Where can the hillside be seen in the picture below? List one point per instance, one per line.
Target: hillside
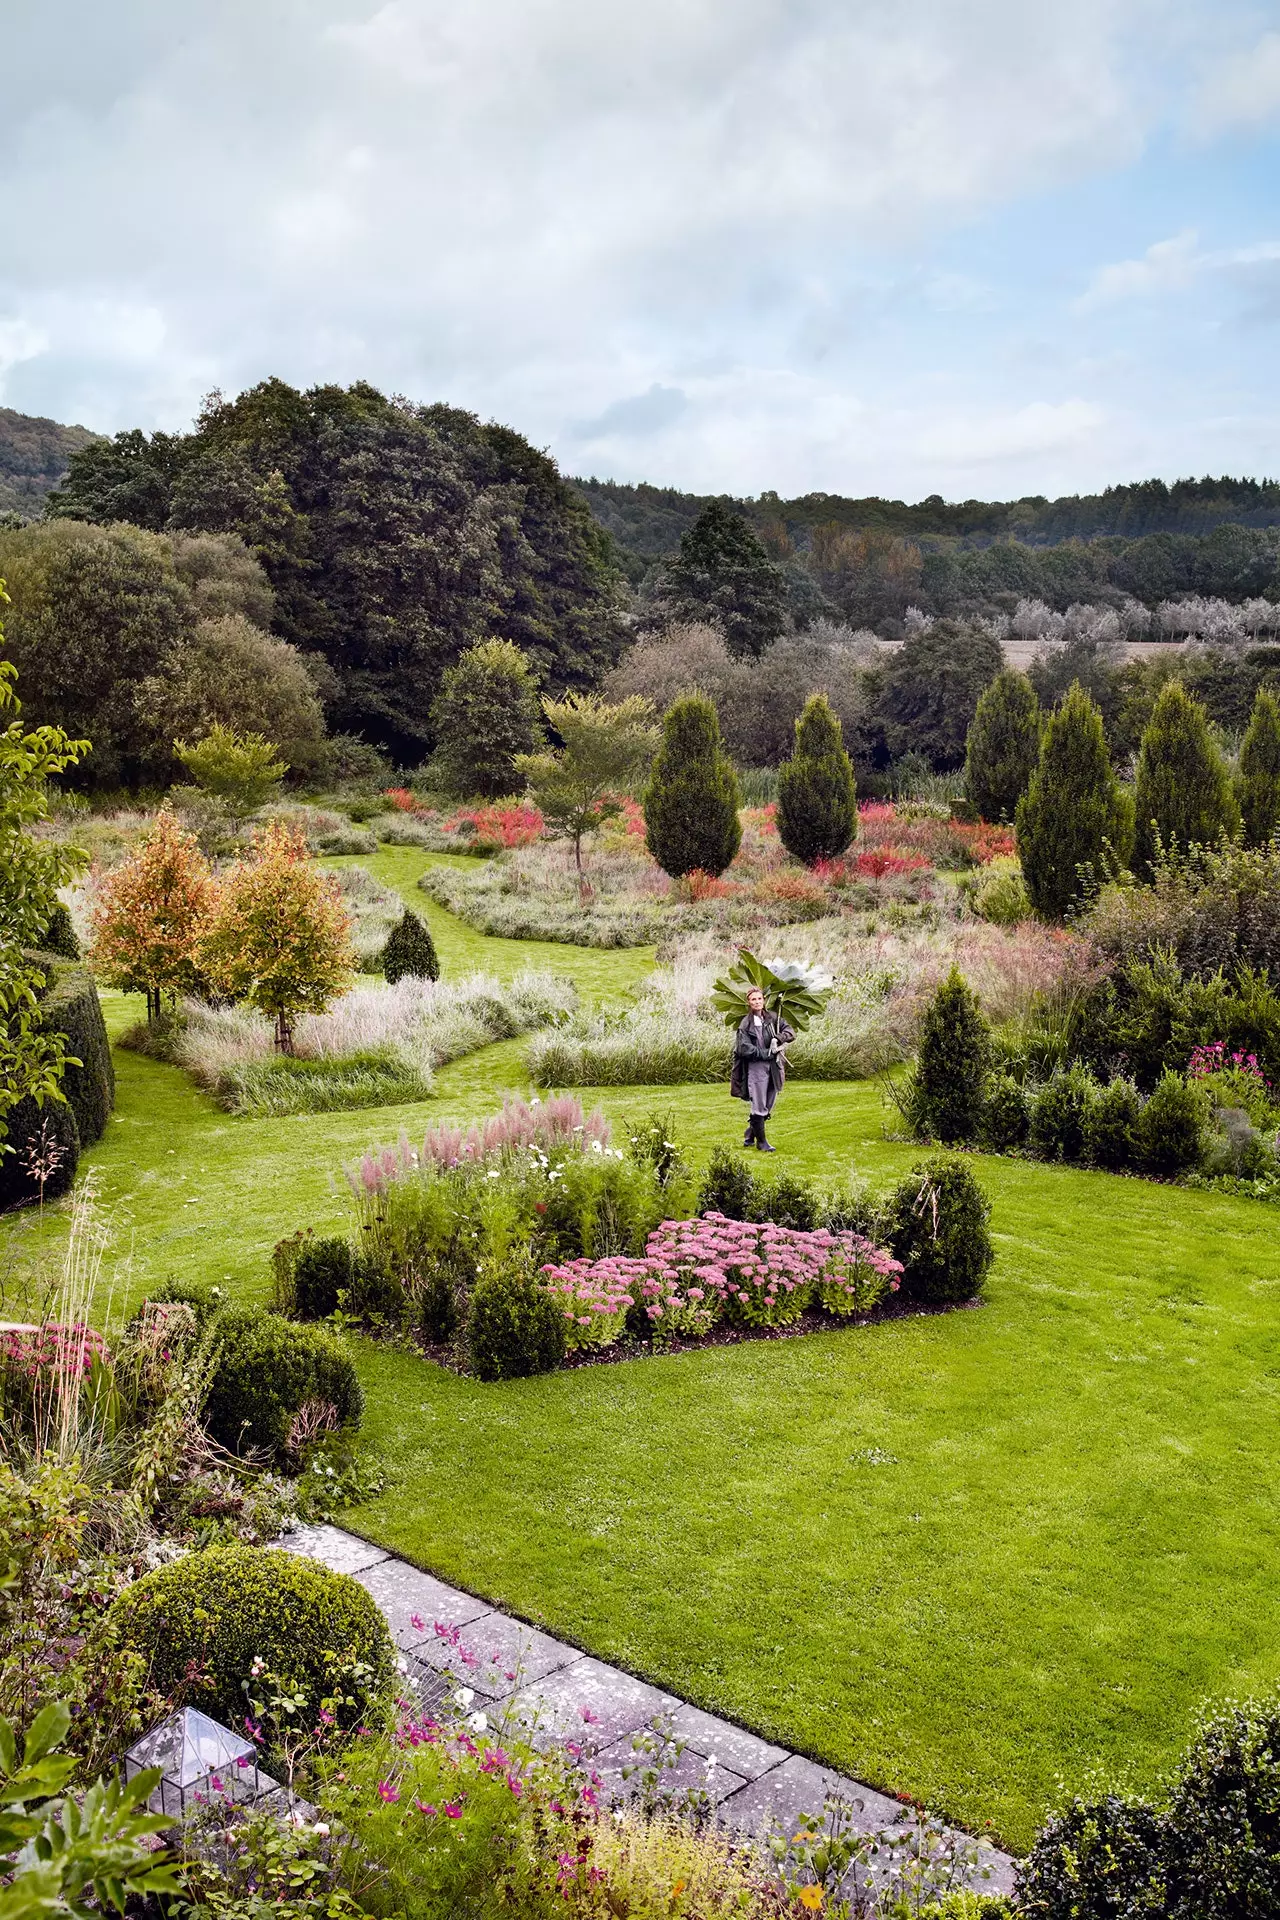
(647, 522)
(34, 456)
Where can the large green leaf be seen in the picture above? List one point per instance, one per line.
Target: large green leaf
(792, 992)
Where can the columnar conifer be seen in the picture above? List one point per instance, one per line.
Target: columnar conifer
(409, 949)
(1003, 745)
(946, 1092)
(1258, 788)
(1073, 809)
(817, 798)
(1183, 795)
(691, 804)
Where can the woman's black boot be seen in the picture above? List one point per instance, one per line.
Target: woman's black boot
(749, 1137)
(761, 1142)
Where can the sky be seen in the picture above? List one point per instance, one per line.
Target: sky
(979, 248)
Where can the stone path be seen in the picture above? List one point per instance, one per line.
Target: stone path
(514, 1666)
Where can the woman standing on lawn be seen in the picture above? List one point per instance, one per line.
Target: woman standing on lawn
(759, 1065)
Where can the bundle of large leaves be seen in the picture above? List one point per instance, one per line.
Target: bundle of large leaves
(792, 992)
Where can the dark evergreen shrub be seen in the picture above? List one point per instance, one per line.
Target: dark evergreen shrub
(410, 949)
(514, 1327)
(817, 799)
(1223, 1824)
(1258, 787)
(936, 1224)
(437, 1303)
(852, 1209)
(788, 1201)
(1111, 1126)
(60, 935)
(1182, 795)
(728, 1186)
(691, 804)
(1003, 745)
(944, 1097)
(1059, 1110)
(1005, 1114)
(269, 1368)
(1073, 809)
(40, 1138)
(69, 1005)
(1171, 1129)
(322, 1270)
(374, 1293)
(201, 1622)
(1096, 1860)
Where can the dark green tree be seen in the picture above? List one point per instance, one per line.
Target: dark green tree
(485, 714)
(409, 949)
(945, 1097)
(817, 798)
(691, 803)
(1183, 793)
(1073, 810)
(1258, 788)
(931, 690)
(723, 575)
(1003, 745)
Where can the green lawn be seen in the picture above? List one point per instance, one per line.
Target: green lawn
(963, 1555)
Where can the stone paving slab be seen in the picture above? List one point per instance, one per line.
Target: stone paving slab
(692, 1770)
(572, 1696)
(414, 1601)
(732, 1746)
(343, 1552)
(507, 1655)
(592, 1702)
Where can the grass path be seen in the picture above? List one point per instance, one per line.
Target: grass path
(959, 1556)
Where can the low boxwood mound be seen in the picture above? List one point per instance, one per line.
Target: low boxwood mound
(201, 1622)
(936, 1224)
(514, 1327)
(268, 1370)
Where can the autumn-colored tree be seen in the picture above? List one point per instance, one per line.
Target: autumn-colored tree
(150, 913)
(280, 937)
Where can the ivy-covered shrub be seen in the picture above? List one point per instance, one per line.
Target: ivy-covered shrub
(410, 950)
(323, 1270)
(936, 1224)
(1059, 1110)
(1096, 1860)
(1006, 1114)
(514, 1327)
(1111, 1126)
(268, 1371)
(1171, 1129)
(201, 1622)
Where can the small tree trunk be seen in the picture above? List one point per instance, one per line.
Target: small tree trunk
(284, 1032)
(153, 1005)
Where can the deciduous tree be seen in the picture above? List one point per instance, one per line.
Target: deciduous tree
(280, 936)
(485, 716)
(817, 798)
(150, 913)
(238, 768)
(604, 750)
(1073, 811)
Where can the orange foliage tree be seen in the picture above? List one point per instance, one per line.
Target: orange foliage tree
(149, 914)
(280, 937)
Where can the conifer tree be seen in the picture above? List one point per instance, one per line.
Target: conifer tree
(691, 804)
(409, 949)
(817, 798)
(1003, 745)
(1258, 788)
(1183, 794)
(723, 575)
(1073, 810)
(944, 1099)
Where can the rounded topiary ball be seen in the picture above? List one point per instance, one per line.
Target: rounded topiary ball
(201, 1622)
(937, 1226)
(514, 1327)
(268, 1368)
(409, 949)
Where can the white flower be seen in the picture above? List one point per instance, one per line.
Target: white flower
(322, 1828)
(402, 1666)
(464, 1696)
(494, 1174)
(596, 1147)
(477, 1722)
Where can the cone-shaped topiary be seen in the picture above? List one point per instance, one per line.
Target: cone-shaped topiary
(1003, 745)
(691, 804)
(1073, 809)
(60, 935)
(817, 798)
(1258, 788)
(409, 949)
(1183, 795)
(945, 1098)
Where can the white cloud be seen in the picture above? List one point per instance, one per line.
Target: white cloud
(1242, 90)
(1165, 267)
